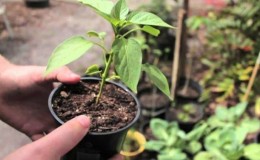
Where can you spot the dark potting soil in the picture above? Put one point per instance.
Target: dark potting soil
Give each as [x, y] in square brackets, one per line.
[153, 100]
[115, 109]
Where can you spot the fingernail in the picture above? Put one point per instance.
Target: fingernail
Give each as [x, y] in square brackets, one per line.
[84, 121]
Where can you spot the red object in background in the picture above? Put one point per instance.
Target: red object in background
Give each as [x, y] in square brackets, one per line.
[216, 3]
[247, 48]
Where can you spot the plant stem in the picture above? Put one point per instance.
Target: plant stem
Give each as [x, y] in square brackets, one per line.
[135, 29]
[104, 76]
[101, 46]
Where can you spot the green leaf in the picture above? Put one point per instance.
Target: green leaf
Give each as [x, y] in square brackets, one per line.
[205, 156]
[120, 10]
[173, 154]
[250, 125]
[67, 52]
[93, 69]
[154, 145]
[103, 8]
[239, 109]
[219, 155]
[194, 147]
[146, 18]
[223, 113]
[100, 35]
[252, 151]
[159, 128]
[158, 78]
[197, 132]
[113, 77]
[241, 133]
[173, 132]
[128, 61]
[151, 30]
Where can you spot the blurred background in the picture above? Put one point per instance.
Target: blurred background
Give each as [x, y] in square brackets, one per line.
[216, 51]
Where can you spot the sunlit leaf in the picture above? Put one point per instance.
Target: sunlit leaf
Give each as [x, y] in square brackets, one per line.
[146, 18]
[158, 78]
[128, 61]
[120, 10]
[67, 52]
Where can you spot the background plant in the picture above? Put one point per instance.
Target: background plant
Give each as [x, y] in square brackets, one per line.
[231, 47]
[125, 54]
[235, 118]
[226, 133]
[222, 135]
[225, 144]
[171, 142]
[163, 46]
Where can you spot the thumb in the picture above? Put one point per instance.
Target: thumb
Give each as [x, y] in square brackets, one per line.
[57, 143]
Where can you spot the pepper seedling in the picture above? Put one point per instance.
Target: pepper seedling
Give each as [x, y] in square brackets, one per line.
[124, 55]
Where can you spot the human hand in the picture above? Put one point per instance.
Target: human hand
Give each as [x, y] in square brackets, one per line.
[54, 145]
[57, 143]
[24, 95]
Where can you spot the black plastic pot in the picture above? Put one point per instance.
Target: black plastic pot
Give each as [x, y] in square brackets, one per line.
[37, 3]
[171, 115]
[157, 110]
[195, 86]
[97, 146]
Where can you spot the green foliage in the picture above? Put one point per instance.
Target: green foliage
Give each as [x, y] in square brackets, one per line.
[186, 111]
[233, 117]
[157, 78]
[232, 114]
[128, 61]
[62, 55]
[100, 35]
[161, 46]
[232, 44]
[125, 53]
[93, 70]
[222, 135]
[173, 143]
[226, 132]
[252, 151]
[146, 18]
[151, 30]
[224, 144]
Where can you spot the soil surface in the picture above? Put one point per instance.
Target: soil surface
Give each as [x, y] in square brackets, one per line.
[150, 100]
[186, 93]
[116, 108]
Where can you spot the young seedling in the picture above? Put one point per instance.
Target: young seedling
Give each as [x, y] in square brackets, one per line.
[124, 55]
